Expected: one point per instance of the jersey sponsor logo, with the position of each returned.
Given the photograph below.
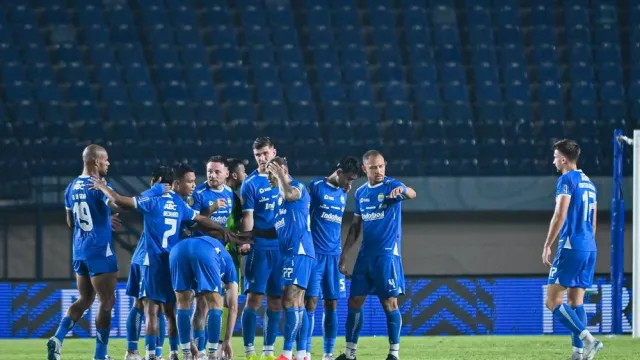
(373, 216)
(170, 205)
(263, 199)
(270, 206)
(327, 197)
(364, 200)
(280, 201)
(220, 219)
(331, 217)
(264, 190)
(279, 224)
(78, 186)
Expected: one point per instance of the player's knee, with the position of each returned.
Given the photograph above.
(84, 302)
(311, 303)
(356, 302)
(214, 300)
(184, 299)
(138, 304)
(107, 301)
(330, 304)
(254, 301)
(274, 303)
(389, 304)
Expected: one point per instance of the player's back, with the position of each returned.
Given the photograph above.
(162, 218)
(91, 217)
(293, 223)
(381, 217)
(258, 196)
(577, 230)
(326, 210)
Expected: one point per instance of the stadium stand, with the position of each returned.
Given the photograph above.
(444, 87)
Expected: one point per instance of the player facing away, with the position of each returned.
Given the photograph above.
(162, 218)
(292, 223)
(214, 198)
(328, 199)
(574, 220)
(196, 268)
(262, 269)
(94, 261)
(229, 292)
(378, 268)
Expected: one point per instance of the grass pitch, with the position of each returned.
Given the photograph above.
(373, 348)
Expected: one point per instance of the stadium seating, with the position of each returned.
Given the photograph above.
(442, 87)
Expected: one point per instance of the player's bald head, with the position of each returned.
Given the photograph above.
(92, 153)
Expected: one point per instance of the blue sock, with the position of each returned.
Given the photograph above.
(568, 318)
(330, 330)
(66, 324)
(303, 338)
(312, 322)
(162, 333)
(249, 321)
(273, 323)
(394, 325)
(198, 337)
(184, 328)
(354, 325)
(150, 344)
(134, 321)
(102, 341)
(582, 315)
(291, 318)
(173, 343)
(214, 325)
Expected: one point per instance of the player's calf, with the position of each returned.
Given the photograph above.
(394, 326)
(199, 323)
(249, 322)
(105, 286)
(214, 322)
(329, 328)
(293, 304)
(185, 311)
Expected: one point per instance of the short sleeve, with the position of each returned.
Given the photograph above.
(144, 204)
(198, 198)
(356, 205)
(103, 196)
(187, 212)
(396, 183)
(247, 194)
(300, 186)
(564, 187)
(147, 193)
(67, 195)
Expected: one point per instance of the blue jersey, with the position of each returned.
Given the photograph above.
(258, 196)
(577, 230)
(293, 224)
(141, 250)
(162, 218)
(381, 216)
(91, 218)
(326, 210)
(228, 272)
(204, 197)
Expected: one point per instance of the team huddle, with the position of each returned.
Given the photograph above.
(286, 234)
(283, 239)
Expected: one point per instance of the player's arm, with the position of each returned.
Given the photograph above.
(595, 218)
(354, 233)
(231, 296)
(115, 200)
(247, 202)
(402, 192)
(69, 214)
(287, 191)
(557, 220)
(218, 231)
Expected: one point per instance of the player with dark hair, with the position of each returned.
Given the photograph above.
(163, 215)
(378, 269)
(328, 199)
(89, 213)
(292, 223)
(574, 220)
(160, 175)
(262, 269)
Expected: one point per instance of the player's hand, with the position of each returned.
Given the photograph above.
(342, 265)
(116, 223)
(276, 170)
(219, 204)
(546, 256)
(98, 184)
(239, 238)
(244, 249)
(227, 350)
(395, 192)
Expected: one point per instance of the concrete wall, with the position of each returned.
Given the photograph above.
(433, 244)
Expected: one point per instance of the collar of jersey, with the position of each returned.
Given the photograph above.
(326, 180)
(374, 186)
(214, 190)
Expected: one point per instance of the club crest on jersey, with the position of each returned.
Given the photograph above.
(342, 199)
(280, 200)
(380, 197)
(189, 201)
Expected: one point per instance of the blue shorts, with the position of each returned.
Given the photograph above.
(327, 278)
(573, 268)
(263, 272)
(380, 275)
(296, 270)
(93, 267)
(154, 282)
(195, 266)
(133, 282)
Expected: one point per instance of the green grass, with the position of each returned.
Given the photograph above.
(413, 348)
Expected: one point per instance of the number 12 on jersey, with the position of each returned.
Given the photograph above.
(588, 205)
